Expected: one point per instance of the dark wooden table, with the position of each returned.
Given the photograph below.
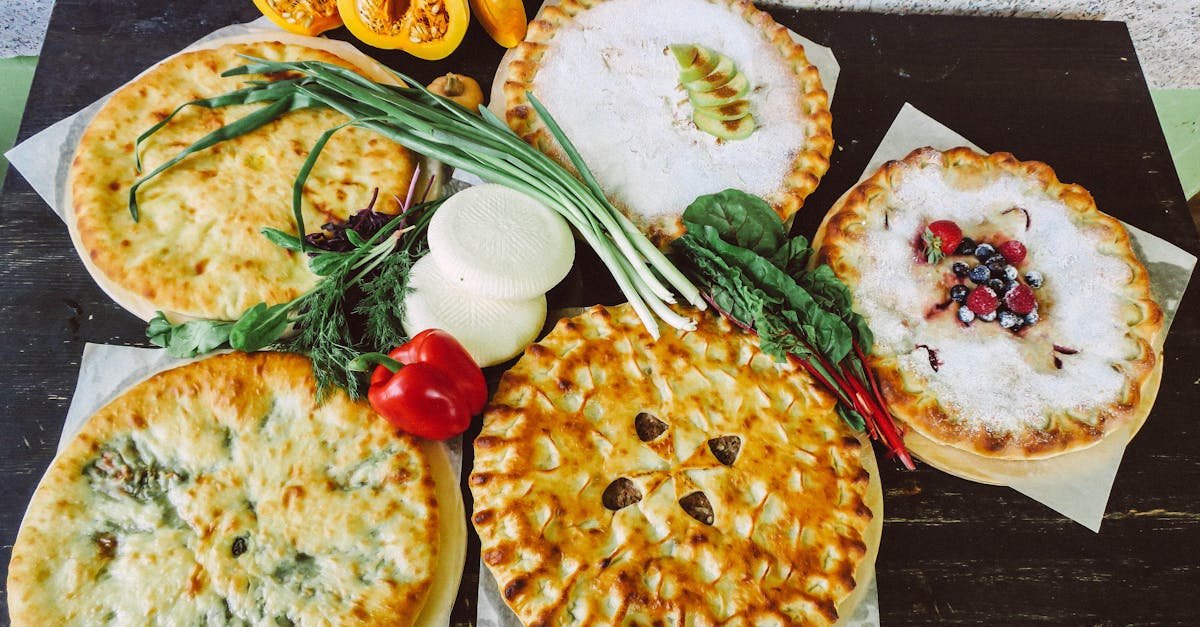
(1068, 93)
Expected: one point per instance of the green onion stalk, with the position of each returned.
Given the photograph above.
(475, 142)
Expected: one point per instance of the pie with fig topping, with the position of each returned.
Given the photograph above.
(693, 480)
(1012, 318)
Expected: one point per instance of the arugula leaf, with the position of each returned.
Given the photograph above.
(259, 327)
(188, 339)
(282, 239)
(741, 219)
(328, 264)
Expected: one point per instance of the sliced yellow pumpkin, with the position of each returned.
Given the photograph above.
(504, 20)
(428, 29)
(303, 17)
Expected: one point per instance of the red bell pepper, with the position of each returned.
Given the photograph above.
(429, 387)
(441, 349)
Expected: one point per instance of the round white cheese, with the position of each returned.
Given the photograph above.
(491, 330)
(495, 242)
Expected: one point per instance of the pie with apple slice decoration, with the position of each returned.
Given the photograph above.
(669, 99)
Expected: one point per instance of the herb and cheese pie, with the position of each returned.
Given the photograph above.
(197, 250)
(693, 480)
(1012, 319)
(669, 99)
(220, 493)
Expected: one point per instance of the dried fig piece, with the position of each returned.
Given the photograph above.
(621, 493)
(697, 506)
(725, 448)
(648, 427)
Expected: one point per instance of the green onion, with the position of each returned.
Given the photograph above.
(480, 144)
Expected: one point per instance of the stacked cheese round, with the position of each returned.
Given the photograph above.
(493, 254)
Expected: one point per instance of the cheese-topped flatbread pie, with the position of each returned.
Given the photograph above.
(670, 99)
(692, 480)
(198, 250)
(221, 493)
(1031, 332)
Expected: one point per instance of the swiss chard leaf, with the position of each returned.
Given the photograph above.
(259, 327)
(852, 418)
(792, 257)
(724, 283)
(741, 219)
(821, 329)
(834, 296)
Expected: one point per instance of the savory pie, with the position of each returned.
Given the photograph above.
(221, 493)
(198, 251)
(1046, 350)
(692, 480)
(605, 72)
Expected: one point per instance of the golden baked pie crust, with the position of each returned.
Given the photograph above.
(330, 490)
(808, 166)
(795, 517)
(198, 251)
(844, 231)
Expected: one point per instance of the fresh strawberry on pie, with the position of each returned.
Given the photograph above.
(941, 238)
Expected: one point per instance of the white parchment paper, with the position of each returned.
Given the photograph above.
(1076, 485)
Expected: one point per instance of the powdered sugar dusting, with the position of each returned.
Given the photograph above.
(990, 377)
(609, 82)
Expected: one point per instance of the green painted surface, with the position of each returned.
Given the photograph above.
(1179, 112)
(16, 73)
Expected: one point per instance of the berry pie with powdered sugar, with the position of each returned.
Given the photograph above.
(1011, 317)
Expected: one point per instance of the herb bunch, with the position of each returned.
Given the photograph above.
(355, 308)
(475, 142)
(737, 250)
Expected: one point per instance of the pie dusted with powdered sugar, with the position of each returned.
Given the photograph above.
(604, 71)
(1068, 352)
(692, 480)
